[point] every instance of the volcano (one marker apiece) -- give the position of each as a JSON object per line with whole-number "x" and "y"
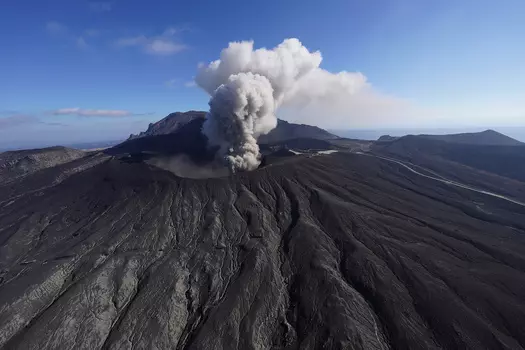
{"x": 363, "y": 247}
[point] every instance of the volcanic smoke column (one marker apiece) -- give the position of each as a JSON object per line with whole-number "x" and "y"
{"x": 240, "y": 110}
{"x": 246, "y": 88}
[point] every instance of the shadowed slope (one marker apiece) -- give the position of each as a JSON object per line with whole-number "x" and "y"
{"x": 333, "y": 251}
{"x": 507, "y": 161}
{"x": 487, "y": 138}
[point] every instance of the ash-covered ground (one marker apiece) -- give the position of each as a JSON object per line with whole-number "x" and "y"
{"x": 330, "y": 251}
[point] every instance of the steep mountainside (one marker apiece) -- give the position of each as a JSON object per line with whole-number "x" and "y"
{"x": 187, "y": 139}
{"x": 170, "y": 124}
{"x": 284, "y": 130}
{"x": 329, "y": 251}
{"x": 487, "y": 138}
{"x": 288, "y": 131}
{"x": 19, "y": 163}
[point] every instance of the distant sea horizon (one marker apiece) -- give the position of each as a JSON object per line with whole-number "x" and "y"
{"x": 517, "y": 133}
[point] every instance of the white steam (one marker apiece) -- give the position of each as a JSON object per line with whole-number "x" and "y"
{"x": 247, "y": 86}
{"x": 241, "y": 109}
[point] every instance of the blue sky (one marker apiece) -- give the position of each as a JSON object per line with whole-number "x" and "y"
{"x": 78, "y": 71}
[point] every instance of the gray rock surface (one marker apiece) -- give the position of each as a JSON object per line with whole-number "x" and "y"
{"x": 335, "y": 251}
{"x": 19, "y": 163}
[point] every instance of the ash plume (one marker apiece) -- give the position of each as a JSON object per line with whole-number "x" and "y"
{"x": 240, "y": 110}
{"x": 246, "y": 87}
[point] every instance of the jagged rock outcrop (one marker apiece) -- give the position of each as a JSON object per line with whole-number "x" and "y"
{"x": 170, "y": 124}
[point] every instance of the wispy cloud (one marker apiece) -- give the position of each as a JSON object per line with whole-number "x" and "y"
{"x": 60, "y": 30}
{"x": 131, "y": 41}
{"x": 162, "y": 45}
{"x": 23, "y": 119}
{"x": 111, "y": 113}
{"x": 171, "y": 31}
{"x": 54, "y": 27}
{"x": 16, "y": 120}
{"x": 171, "y": 83}
{"x": 92, "y": 33}
{"x": 8, "y": 111}
{"x": 81, "y": 43}
{"x": 100, "y": 6}
{"x": 92, "y": 112}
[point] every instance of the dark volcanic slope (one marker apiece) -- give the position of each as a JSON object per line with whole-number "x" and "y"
{"x": 331, "y": 251}
{"x": 18, "y": 163}
{"x": 288, "y": 131}
{"x": 170, "y": 124}
{"x": 284, "y": 130}
{"x": 487, "y": 138}
{"x": 507, "y": 161}
{"x": 187, "y": 139}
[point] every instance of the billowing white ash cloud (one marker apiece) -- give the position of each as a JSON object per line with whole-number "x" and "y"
{"x": 241, "y": 109}
{"x": 247, "y": 86}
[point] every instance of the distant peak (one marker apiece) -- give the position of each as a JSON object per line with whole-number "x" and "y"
{"x": 487, "y": 137}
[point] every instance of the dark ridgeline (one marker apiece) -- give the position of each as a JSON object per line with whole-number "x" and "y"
{"x": 313, "y": 251}
{"x": 505, "y": 160}
{"x": 170, "y": 124}
{"x": 486, "y": 138}
{"x": 284, "y": 130}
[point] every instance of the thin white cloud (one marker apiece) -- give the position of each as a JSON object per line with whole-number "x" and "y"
{"x": 111, "y": 113}
{"x": 16, "y": 120}
{"x": 81, "y": 43}
{"x": 100, "y": 6}
{"x": 92, "y": 33}
{"x": 171, "y": 83}
{"x": 132, "y": 41}
{"x": 93, "y": 112}
{"x": 54, "y": 27}
{"x": 162, "y": 45}
{"x": 61, "y": 31}
{"x": 171, "y": 31}
{"x": 22, "y": 119}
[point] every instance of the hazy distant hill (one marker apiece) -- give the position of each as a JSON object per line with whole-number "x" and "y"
{"x": 517, "y": 133}
{"x": 487, "y": 137}
{"x": 504, "y": 160}
{"x": 288, "y": 131}
{"x": 387, "y": 138}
